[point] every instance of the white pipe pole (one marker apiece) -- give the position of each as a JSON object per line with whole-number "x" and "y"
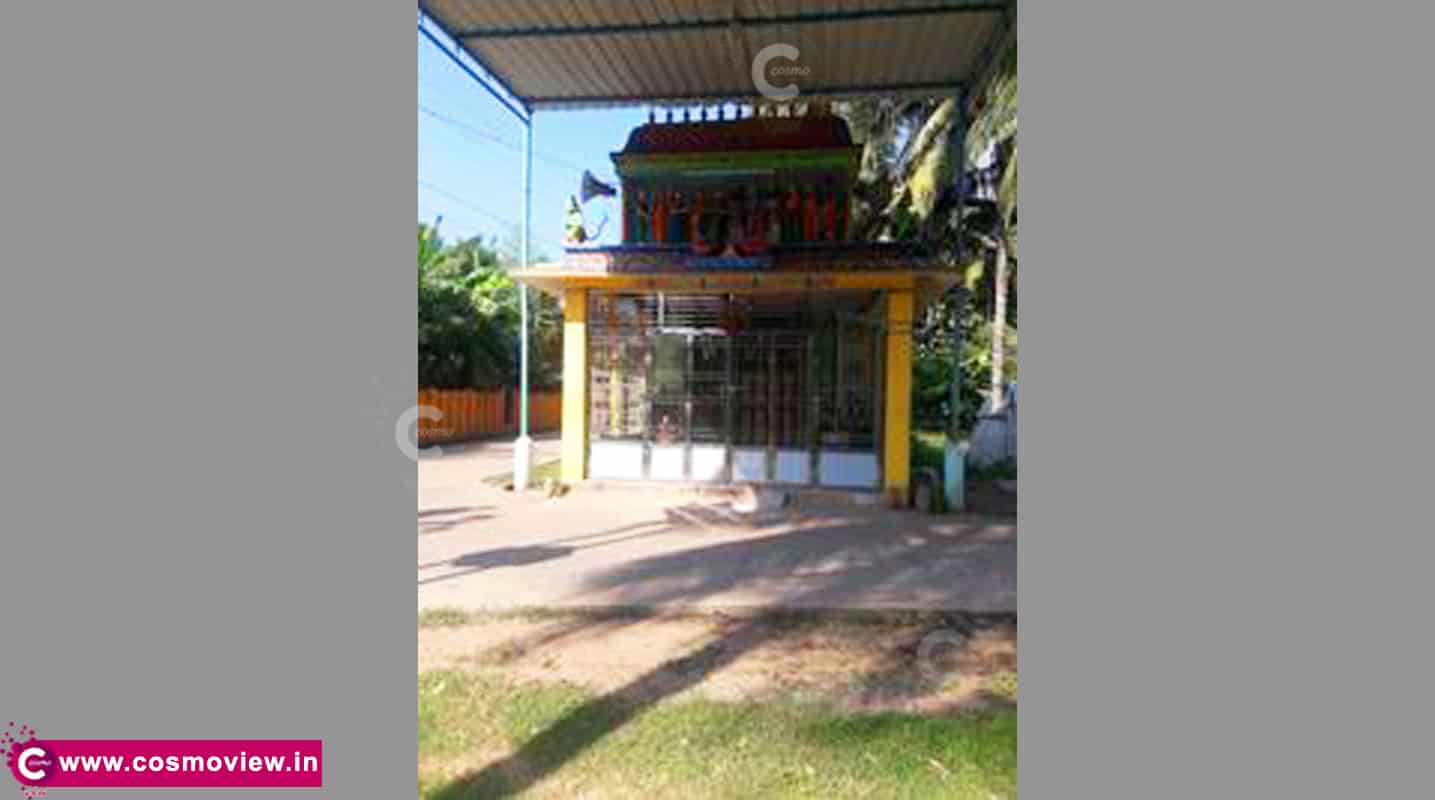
{"x": 523, "y": 448}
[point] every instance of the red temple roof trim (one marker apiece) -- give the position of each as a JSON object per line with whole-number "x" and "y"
{"x": 752, "y": 133}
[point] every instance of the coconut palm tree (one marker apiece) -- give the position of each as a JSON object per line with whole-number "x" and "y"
{"x": 906, "y": 190}
{"x": 993, "y": 229}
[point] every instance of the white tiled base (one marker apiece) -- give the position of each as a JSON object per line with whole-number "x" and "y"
{"x": 666, "y": 463}
{"x": 748, "y": 465}
{"x": 620, "y": 460}
{"x": 794, "y": 466}
{"x": 708, "y": 462}
{"x": 847, "y": 470}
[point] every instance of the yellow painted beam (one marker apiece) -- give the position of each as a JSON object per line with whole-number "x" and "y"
{"x": 897, "y": 405}
{"x": 575, "y": 385}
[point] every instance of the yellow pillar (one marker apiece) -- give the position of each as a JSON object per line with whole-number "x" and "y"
{"x": 897, "y": 403}
{"x": 575, "y": 385}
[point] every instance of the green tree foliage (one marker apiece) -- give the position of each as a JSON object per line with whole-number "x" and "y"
{"x": 468, "y": 318}
{"x": 932, "y": 364}
{"x": 906, "y": 191}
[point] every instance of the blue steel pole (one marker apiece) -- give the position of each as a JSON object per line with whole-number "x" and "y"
{"x": 954, "y": 461}
{"x": 523, "y": 259}
{"x": 959, "y": 147}
{"x": 454, "y": 57}
{"x": 522, "y": 450}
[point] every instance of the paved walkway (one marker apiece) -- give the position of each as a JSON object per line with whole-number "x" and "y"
{"x": 470, "y": 462}
{"x": 480, "y": 547}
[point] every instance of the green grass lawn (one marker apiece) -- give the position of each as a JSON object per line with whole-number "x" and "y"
{"x": 689, "y": 747}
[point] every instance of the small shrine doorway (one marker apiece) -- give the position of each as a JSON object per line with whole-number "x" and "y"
{"x": 766, "y": 388}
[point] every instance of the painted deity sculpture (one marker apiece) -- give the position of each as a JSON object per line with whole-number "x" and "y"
{"x": 677, "y": 218}
{"x": 792, "y": 216}
{"x": 573, "y": 231}
{"x": 755, "y": 226}
{"x": 829, "y": 213}
{"x": 722, "y": 185}
{"x": 809, "y": 216}
{"x": 642, "y": 216}
{"x": 660, "y": 217}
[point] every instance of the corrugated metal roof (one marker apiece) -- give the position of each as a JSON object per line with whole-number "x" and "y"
{"x": 583, "y": 54}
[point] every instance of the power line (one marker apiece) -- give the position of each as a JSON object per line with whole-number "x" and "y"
{"x": 449, "y": 214}
{"x": 465, "y": 217}
{"x": 549, "y": 200}
{"x": 486, "y": 133}
{"x": 544, "y": 194}
{"x": 493, "y": 136}
{"x": 485, "y": 212}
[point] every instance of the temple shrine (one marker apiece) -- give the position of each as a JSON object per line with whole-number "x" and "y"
{"x": 740, "y": 332}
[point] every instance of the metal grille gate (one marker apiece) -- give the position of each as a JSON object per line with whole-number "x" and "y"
{"x": 721, "y": 388}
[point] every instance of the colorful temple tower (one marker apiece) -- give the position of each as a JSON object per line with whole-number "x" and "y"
{"x": 739, "y": 333}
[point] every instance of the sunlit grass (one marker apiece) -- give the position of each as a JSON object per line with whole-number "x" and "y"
{"x": 695, "y": 747}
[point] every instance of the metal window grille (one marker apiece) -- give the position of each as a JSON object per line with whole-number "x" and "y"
{"x": 756, "y": 373}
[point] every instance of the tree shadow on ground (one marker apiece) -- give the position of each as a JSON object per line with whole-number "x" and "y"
{"x": 499, "y": 557}
{"x": 840, "y": 560}
{"x": 580, "y": 728}
{"x": 450, "y": 510}
{"x": 987, "y": 497}
{"x": 479, "y": 560}
{"x": 836, "y": 565}
{"x": 437, "y": 520}
{"x": 951, "y": 647}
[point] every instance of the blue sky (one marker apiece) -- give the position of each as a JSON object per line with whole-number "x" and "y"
{"x": 470, "y": 159}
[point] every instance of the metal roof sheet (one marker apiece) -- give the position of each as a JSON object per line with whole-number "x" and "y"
{"x": 583, "y": 54}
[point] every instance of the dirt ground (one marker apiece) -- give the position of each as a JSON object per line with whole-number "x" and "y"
{"x": 933, "y": 664}
{"x": 986, "y": 497}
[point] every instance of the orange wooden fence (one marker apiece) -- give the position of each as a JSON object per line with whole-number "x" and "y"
{"x": 472, "y": 413}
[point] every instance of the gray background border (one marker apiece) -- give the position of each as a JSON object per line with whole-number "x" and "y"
{"x": 208, "y": 324}
{"x": 207, "y": 321}
{"x": 1225, "y": 436}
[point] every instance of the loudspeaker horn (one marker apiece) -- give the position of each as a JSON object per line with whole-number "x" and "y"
{"x": 592, "y": 187}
